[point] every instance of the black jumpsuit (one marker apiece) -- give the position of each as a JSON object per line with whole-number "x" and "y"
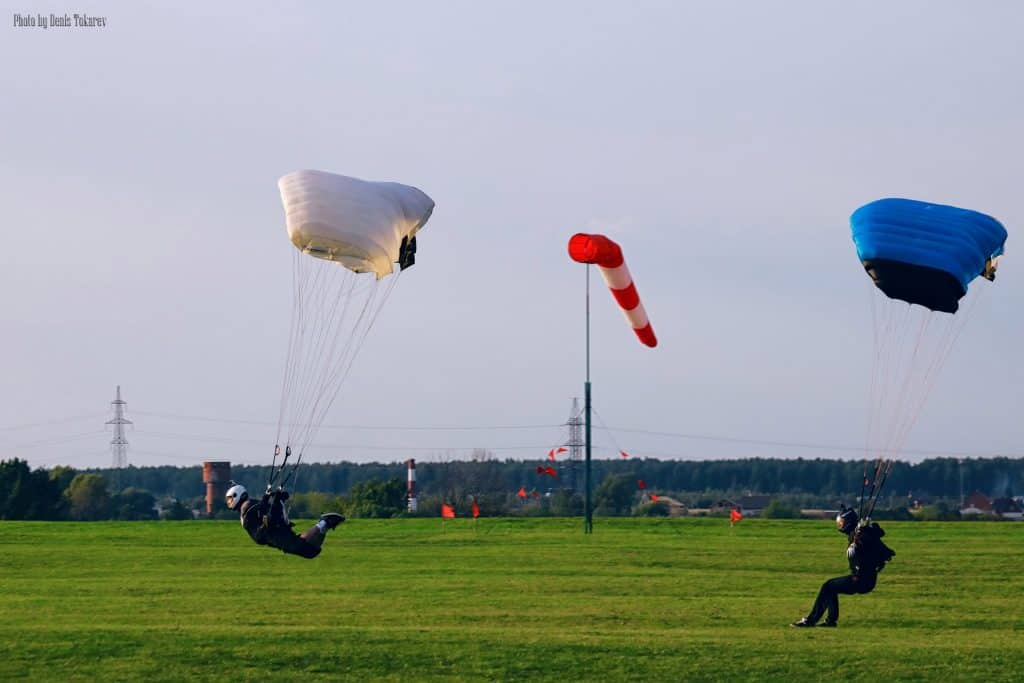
{"x": 267, "y": 524}
{"x": 862, "y": 578}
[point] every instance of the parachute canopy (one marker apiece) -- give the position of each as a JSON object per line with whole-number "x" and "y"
{"x": 349, "y": 233}
{"x": 365, "y": 226}
{"x": 926, "y": 253}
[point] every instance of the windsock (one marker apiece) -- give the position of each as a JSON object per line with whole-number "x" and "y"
{"x": 607, "y": 256}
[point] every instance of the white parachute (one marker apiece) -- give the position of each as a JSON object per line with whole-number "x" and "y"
{"x": 348, "y": 235}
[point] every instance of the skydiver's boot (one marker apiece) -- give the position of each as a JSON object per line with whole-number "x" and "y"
{"x": 332, "y": 519}
{"x": 803, "y": 623}
{"x": 315, "y": 535}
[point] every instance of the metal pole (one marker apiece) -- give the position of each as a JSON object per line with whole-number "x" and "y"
{"x": 588, "y": 512}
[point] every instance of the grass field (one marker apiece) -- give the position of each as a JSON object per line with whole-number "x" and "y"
{"x": 519, "y": 599}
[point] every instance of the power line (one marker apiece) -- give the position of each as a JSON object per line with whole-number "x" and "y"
{"x": 354, "y": 427}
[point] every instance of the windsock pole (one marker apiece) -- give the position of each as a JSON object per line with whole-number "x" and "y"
{"x": 588, "y": 509}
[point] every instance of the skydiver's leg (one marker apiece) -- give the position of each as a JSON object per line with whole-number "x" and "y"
{"x": 847, "y": 585}
{"x": 827, "y": 600}
{"x": 314, "y": 536}
{"x": 287, "y": 541}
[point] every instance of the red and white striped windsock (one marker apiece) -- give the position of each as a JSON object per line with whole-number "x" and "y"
{"x": 607, "y": 256}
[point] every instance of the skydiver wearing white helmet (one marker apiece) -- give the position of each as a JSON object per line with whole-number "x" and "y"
{"x": 267, "y": 523}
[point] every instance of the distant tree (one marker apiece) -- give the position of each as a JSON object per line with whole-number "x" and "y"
{"x": 313, "y": 504}
{"x": 939, "y": 512}
{"x": 656, "y": 509}
{"x": 25, "y": 494}
{"x": 565, "y": 503}
{"x": 376, "y": 499}
{"x": 615, "y": 495}
{"x": 61, "y": 476}
{"x": 175, "y": 511}
{"x": 133, "y": 503}
{"x": 776, "y": 509}
{"x": 88, "y": 497}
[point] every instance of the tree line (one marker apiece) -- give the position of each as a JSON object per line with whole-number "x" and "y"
{"x": 498, "y": 486}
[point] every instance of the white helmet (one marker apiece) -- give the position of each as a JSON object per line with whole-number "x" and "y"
{"x": 235, "y": 496}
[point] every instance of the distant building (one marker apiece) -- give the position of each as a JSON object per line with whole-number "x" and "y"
{"x": 1007, "y": 508}
{"x": 976, "y": 505}
{"x": 675, "y": 508}
{"x": 750, "y": 506}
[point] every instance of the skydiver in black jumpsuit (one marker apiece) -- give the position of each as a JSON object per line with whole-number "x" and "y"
{"x": 866, "y": 554}
{"x": 267, "y": 523}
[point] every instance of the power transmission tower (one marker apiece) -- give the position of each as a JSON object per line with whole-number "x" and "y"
{"x": 575, "y": 445}
{"x": 119, "y": 444}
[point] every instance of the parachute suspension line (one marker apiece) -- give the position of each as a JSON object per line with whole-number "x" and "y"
{"x": 334, "y": 310}
{"x": 323, "y": 313}
{"x": 289, "y": 356}
{"x": 886, "y": 355}
{"x": 946, "y": 340}
{"x": 378, "y": 296}
{"x": 863, "y": 485}
{"x": 906, "y": 373}
{"x": 315, "y": 354}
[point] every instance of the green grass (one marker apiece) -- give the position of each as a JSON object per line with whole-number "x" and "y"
{"x": 522, "y": 599}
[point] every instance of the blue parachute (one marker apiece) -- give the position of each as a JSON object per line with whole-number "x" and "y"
{"x": 925, "y": 253}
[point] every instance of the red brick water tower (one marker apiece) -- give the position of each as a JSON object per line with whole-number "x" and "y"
{"x": 216, "y": 476}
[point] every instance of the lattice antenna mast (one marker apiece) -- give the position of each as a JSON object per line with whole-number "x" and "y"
{"x": 119, "y": 444}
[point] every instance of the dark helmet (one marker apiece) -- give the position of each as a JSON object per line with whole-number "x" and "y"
{"x": 846, "y": 520}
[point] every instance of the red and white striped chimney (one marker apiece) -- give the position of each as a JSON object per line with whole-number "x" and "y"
{"x": 411, "y": 491}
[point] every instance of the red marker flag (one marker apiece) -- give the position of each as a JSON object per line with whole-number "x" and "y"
{"x": 654, "y": 497}
{"x": 447, "y": 512}
{"x": 624, "y": 454}
{"x": 476, "y": 510}
{"x": 640, "y": 483}
{"x": 735, "y": 516}
{"x": 552, "y": 471}
{"x": 522, "y": 492}
{"x": 541, "y": 470}
{"x": 551, "y": 454}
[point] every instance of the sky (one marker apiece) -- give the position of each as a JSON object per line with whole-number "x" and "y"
{"x": 723, "y": 145}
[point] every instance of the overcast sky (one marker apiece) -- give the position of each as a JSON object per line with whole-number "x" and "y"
{"x": 722, "y": 144}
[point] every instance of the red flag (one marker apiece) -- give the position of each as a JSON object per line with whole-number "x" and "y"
{"x": 624, "y": 454}
{"x": 447, "y": 512}
{"x": 541, "y": 470}
{"x": 553, "y": 452}
{"x": 641, "y": 484}
{"x": 476, "y": 510}
{"x": 735, "y": 515}
{"x": 552, "y": 471}
{"x": 522, "y": 492}
{"x": 654, "y": 497}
